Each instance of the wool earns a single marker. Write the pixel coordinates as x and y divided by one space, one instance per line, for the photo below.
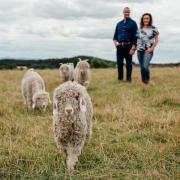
82 73
71 130
33 90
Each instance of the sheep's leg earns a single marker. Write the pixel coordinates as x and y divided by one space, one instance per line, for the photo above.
71 161
86 83
89 129
72 157
23 95
24 99
29 106
29 102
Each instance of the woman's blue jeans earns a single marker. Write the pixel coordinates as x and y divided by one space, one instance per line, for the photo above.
144 62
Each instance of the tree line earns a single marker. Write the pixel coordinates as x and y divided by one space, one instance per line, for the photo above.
54 63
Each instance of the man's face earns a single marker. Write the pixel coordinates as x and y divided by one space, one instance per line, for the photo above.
126 13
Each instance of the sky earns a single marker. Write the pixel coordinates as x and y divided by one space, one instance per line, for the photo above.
67 28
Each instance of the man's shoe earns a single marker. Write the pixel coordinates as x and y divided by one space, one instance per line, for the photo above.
120 80
146 82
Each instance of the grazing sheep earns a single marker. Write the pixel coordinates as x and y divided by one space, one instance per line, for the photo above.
72 115
21 68
66 72
82 73
33 90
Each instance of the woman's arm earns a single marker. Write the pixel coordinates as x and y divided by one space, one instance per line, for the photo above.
156 40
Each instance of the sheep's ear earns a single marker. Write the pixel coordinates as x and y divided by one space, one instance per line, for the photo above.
55 107
60 64
80 59
83 104
55 104
86 60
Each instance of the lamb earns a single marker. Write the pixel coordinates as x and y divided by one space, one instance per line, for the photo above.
66 72
82 73
72 116
33 90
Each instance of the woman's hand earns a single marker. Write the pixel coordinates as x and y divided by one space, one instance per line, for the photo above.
150 50
132 51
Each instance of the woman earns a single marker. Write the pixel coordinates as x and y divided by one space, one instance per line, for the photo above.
147 40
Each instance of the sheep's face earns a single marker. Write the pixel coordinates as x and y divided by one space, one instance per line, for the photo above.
64 68
83 66
41 100
70 103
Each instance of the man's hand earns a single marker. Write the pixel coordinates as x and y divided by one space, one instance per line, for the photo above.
149 50
132 51
116 43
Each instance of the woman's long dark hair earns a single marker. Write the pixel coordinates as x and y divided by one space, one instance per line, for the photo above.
150 22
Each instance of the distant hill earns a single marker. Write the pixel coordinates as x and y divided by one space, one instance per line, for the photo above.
53 63
163 65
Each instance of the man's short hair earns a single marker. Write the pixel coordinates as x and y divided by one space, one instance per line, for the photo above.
126 8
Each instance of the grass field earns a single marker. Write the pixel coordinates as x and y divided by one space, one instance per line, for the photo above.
136 129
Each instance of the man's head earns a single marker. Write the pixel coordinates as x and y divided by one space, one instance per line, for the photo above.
126 12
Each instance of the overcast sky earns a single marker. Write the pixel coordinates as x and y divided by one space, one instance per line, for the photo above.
66 28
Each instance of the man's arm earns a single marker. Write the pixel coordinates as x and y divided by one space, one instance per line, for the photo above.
134 40
115 36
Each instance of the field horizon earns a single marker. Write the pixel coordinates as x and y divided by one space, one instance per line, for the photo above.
135 129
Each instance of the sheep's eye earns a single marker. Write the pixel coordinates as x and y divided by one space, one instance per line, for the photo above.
59 98
77 97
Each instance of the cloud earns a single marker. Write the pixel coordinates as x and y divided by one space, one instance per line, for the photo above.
59 28
62 9
73 9
13 10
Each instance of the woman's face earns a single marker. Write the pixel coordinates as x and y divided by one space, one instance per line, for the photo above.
146 20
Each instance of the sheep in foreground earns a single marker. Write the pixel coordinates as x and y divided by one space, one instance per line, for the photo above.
66 72
82 73
33 90
72 116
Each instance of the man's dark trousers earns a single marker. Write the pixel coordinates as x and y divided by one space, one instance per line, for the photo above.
123 53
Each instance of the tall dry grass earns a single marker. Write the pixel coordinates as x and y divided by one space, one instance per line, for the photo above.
135 129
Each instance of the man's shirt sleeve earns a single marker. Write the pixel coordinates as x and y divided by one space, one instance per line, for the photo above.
135 28
116 34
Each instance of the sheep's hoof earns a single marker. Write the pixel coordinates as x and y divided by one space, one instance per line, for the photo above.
71 168
71 162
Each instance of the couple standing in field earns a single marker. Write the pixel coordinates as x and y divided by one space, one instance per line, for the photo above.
128 38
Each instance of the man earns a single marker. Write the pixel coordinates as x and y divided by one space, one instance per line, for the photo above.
125 41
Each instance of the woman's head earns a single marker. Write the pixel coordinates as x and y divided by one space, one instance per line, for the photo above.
146 20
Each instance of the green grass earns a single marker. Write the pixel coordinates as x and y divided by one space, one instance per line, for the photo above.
135 129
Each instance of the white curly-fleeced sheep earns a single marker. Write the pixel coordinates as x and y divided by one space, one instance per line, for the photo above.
66 72
33 90
82 73
72 116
